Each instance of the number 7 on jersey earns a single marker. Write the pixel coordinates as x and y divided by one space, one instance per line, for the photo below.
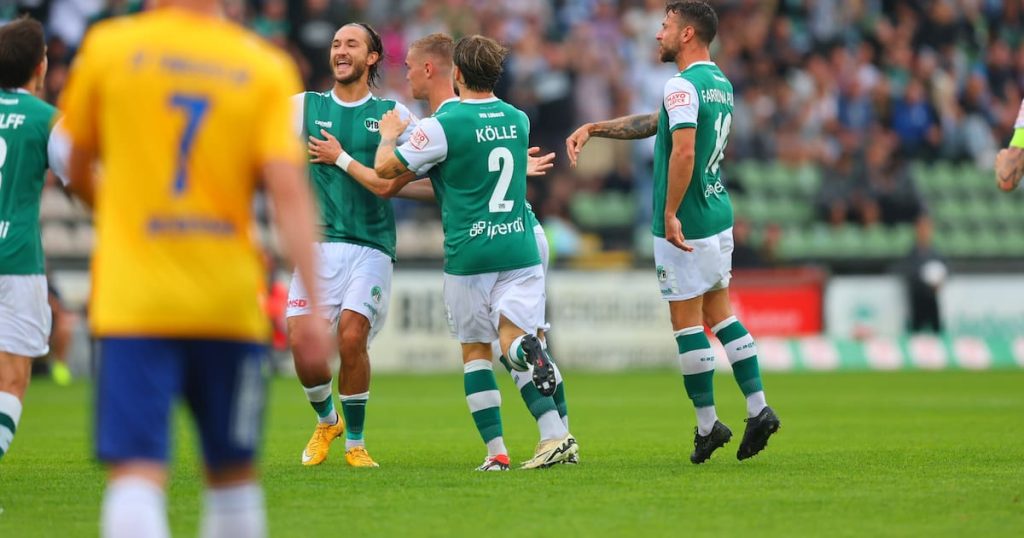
195 108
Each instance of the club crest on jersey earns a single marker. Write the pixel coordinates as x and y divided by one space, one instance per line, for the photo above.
676 99
372 125
662 274
377 294
324 124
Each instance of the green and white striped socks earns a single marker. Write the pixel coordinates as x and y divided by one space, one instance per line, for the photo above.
484 403
742 353
320 398
697 362
10 414
543 408
353 406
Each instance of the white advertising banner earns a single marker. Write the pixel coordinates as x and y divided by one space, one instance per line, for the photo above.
865 306
983 305
604 321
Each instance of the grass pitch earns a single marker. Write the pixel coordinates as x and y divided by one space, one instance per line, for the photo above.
859 454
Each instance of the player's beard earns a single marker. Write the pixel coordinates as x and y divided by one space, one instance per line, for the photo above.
358 70
668 56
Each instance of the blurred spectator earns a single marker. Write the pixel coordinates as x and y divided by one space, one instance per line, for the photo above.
818 83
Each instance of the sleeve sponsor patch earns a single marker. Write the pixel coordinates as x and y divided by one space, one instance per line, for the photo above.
419 139
676 99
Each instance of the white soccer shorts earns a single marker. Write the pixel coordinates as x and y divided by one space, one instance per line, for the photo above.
686 275
475 303
25 316
351 277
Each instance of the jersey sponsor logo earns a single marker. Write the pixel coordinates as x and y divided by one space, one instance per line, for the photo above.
372 125
324 124
298 303
677 99
419 139
11 121
714 189
492 230
189 225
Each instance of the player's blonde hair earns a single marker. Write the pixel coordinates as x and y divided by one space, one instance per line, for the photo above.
438 45
480 60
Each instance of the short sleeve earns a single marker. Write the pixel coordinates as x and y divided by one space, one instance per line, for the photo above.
298 104
406 115
681 103
79 100
276 140
427 146
58 152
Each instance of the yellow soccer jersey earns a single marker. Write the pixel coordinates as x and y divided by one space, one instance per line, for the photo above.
183 110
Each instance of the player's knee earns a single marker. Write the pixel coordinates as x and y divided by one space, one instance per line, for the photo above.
14 374
352 343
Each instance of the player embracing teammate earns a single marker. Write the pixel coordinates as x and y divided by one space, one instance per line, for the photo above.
476 153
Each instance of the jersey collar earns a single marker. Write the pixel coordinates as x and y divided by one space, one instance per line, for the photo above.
348 104
695 64
480 101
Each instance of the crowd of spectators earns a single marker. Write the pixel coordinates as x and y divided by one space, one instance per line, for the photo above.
858 88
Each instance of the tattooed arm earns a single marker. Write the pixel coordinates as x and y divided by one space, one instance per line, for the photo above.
1009 168
624 128
386 164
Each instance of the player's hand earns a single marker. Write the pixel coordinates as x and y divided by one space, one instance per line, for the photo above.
324 151
1009 168
538 166
674 233
312 339
574 144
391 125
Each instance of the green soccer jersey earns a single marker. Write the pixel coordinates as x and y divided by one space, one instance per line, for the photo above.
25 124
477 149
348 212
531 218
699 97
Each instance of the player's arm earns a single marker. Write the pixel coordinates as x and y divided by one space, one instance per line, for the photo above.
422 190
680 173
625 128
1010 161
328 150
82 105
682 106
426 147
386 163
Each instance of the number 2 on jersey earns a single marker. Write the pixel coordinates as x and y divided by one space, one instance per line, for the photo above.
195 108
501 160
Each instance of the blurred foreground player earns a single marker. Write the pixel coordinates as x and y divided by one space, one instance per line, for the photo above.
177 278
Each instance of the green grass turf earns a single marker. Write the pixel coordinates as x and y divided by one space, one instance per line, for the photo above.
859 454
